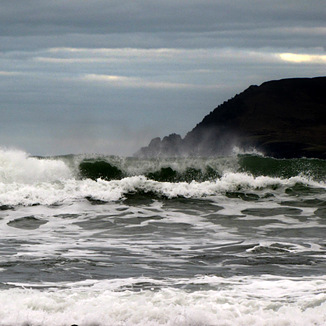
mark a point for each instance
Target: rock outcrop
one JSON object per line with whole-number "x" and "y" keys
{"x": 284, "y": 119}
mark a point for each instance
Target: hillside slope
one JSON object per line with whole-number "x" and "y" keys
{"x": 284, "y": 118}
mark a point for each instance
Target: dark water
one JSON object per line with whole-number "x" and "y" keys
{"x": 116, "y": 241}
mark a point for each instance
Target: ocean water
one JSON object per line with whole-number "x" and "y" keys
{"x": 98, "y": 240}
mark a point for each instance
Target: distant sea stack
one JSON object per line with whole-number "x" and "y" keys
{"x": 282, "y": 118}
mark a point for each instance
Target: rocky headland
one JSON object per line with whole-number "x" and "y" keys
{"x": 282, "y": 118}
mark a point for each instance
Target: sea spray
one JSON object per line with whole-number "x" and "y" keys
{"x": 18, "y": 167}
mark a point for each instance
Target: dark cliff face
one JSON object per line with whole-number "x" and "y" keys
{"x": 284, "y": 119}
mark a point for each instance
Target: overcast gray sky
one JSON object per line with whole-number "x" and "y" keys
{"x": 106, "y": 76}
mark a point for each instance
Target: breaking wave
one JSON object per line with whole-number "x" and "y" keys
{"x": 26, "y": 180}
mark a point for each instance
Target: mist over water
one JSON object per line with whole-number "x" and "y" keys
{"x": 105, "y": 240}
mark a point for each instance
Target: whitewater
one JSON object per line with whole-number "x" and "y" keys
{"x": 103, "y": 240}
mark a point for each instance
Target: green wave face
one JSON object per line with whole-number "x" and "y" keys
{"x": 103, "y": 170}
{"x": 169, "y": 175}
{"x": 282, "y": 168}
{"x": 99, "y": 169}
{"x": 187, "y": 170}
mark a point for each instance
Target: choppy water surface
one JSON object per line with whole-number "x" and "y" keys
{"x": 91, "y": 240}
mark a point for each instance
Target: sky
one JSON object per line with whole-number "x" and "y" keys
{"x": 107, "y": 76}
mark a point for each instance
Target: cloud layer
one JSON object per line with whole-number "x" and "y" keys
{"x": 106, "y": 76}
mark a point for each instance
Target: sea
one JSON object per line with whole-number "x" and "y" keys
{"x": 98, "y": 240}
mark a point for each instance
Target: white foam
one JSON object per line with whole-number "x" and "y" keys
{"x": 68, "y": 190}
{"x": 17, "y": 167}
{"x": 264, "y": 301}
